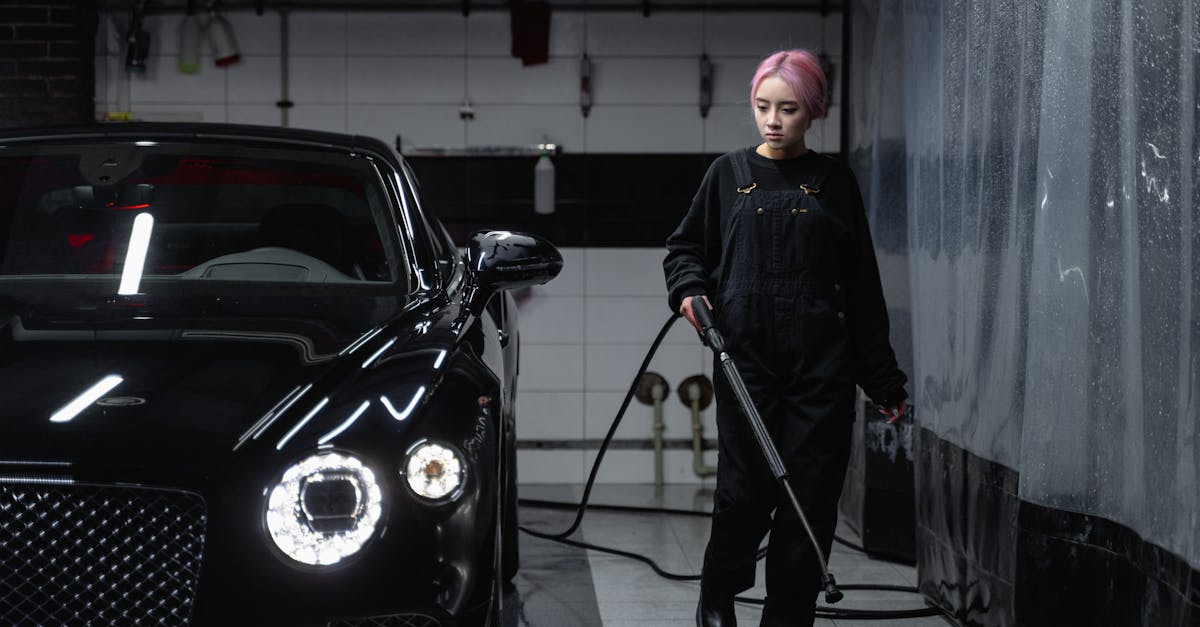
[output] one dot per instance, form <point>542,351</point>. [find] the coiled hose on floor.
<point>583,505</point>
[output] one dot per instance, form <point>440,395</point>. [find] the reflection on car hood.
<point>179,388</point>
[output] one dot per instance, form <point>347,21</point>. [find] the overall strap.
<point>741,171</point>
<point>816,180</point>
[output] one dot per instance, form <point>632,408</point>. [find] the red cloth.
<point>530,23</point>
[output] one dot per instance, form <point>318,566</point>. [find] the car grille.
<point>76,554</point>
<point>392,620</point>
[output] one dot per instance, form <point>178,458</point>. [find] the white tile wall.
<point>322,33</point>
<point>525,124</point>
<point>583,337</point>
<point>647,80</point>
<point>503,80</point>
<point>655,129</point>
<point>416,67</point>
<point>758,34</point>
<point>550,466</point>
<point>552,319</point>
<point>631,34</point>
<point>317,79</point>
<point>323,117</point>
<point>266,114</point>
<point>405,33</point>
<point>425,125</point>
<point>407,80</point>
<point>405,73</point>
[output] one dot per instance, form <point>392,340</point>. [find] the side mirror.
<point>504,260</point>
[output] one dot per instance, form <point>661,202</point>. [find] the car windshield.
<point>193,211</point>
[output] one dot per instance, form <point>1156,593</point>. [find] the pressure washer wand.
<point>713,339</point>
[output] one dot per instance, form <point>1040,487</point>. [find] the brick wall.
<point>47,68</point>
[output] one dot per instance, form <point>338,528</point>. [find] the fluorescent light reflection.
<point>83,401</point>
<point>303,421</point>
<point>135,257</point>
<point>382,349</point>
<point>412,404</point>
<point>366,337</point>
<point>345,425</point>
<point>437,363</point>
<point>268,418</point>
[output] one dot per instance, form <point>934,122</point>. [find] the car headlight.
<point>434,471</point>
<point>324,509</point>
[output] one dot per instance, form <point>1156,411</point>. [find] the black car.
<point>247,379</point>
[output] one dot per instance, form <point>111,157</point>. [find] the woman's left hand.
<point>894,412</point>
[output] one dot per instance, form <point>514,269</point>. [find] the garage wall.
<point>384,74</point>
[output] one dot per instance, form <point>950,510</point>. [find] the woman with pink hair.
<point>776,242</point>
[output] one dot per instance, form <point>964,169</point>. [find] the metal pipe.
<point>658,392</point>
<point>696,392</point>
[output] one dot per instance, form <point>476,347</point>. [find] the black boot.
<point>715,608</point>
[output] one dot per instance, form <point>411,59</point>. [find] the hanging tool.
<point>713,339</point>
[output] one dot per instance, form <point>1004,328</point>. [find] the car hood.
<point>181,380</point>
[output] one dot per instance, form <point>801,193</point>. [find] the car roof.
<point>198,130</point>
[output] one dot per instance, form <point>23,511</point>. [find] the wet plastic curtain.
<point>1050,176</point>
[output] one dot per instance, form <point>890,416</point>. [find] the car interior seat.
<point>316,230</point>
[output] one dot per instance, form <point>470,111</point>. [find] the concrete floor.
<point>561,585</point>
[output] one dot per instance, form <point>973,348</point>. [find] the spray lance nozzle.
<point>832,594</point>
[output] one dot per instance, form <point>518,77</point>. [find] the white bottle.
<point>543,185</point>
<point>191,33</point>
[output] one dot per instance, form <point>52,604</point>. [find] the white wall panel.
<point>552,320</point>
<point>628,34</point>
<point>320,117</point>
<point>264,114</point>
<point>490,34</point>
<point>610,368</point>
<point>408,80</point>
<point>405,33</point>
<point>317,33</point>
<point>551,368</point>
<point>637,466</point>
<point>317,79</point>
<point>624,319</point>
<point>503,80</point>
<point>757,34</point>
<point>161,112</point>
<point>571,280</point>
<point>163,83</point>
<point>728,127</point>
<point>254,79</point>
<point>648,81</point>
<point>627,271</point>
<point>436,125</point>
<point>731,79</point>
<point>534,466</point>
<point>255,34</point>
<point>549,415</point>
<point>525,125</point>
<point>654,129</point>
<point>600,408</point>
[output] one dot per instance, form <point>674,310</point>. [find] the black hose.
<point>583,506</point>
<point>587,490</point>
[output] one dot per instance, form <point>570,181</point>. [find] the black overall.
<point>781,307</point>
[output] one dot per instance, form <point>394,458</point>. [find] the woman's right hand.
<point>686,311</point>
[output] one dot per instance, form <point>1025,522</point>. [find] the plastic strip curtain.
<point>1050,172</point>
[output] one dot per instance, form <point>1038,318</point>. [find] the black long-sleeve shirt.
<point>695,260</point>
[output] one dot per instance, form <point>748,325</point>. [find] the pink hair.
<point>802,72</point>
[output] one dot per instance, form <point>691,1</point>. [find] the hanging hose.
<point>583,505</point>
